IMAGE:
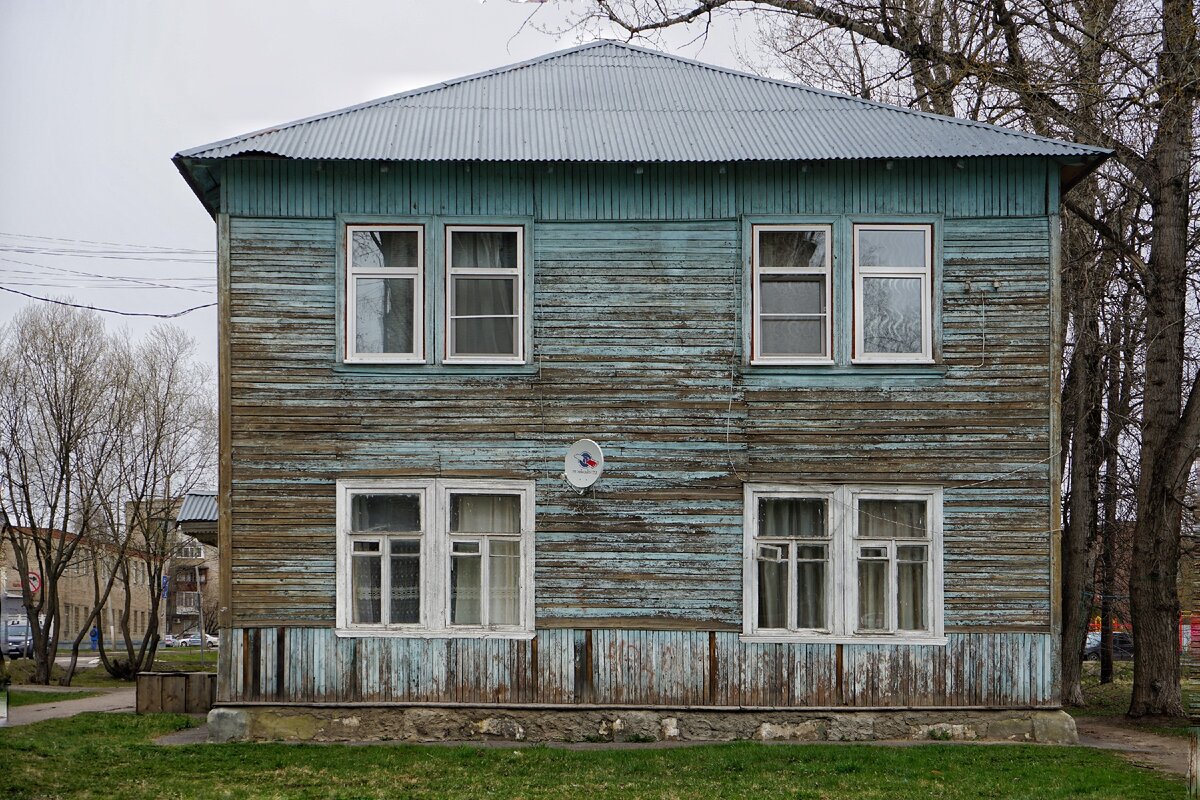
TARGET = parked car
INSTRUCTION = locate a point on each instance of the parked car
(211, 641)
(168, 640)
(1122, 646)
(190, 640)
(18, 643)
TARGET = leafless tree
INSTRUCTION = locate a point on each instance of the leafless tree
(56, 374)
(167, 449)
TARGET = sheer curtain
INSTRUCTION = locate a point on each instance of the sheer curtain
(793, 518)
(897, 520)
(486, 514)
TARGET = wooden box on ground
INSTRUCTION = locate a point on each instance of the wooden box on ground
(175, 692)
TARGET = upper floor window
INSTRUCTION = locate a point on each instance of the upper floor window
(484, 294)
(848, 562)
(384, 293)
(893, 295)
(792, 294)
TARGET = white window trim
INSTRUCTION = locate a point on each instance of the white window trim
(841, 579)
(351, 306)
(435, 557)
(517, 273)
(757, 272)
(926, 276)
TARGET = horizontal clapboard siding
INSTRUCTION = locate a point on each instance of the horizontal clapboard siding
(635, 668)
(638, 283)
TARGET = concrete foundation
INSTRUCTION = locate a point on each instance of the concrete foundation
(460, 723)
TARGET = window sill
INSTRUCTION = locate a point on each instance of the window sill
(771, 638)
(434, 370)
(425, 633)
(786, 375)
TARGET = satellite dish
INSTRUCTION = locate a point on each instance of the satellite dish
(583, 464)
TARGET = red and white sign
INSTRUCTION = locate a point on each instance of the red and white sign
(33, 581)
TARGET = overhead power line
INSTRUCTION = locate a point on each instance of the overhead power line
(107, 244)
(106, 310)
(118, 278)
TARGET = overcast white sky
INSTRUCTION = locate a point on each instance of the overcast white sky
(95, 98)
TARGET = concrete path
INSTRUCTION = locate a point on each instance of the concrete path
(111, 700)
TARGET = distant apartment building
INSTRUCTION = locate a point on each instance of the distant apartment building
(76, 592)
(192, 577)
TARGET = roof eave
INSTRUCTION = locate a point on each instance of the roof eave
(200, 179)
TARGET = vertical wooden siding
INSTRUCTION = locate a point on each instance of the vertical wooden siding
(637, 668)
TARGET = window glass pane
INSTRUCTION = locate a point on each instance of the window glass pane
(406, 582)
(483, 296)
(485, 513)
(383, 315)
(365, 588)
(872, 595)
(778, 249)
(910, 596)
(891, 315)
(791, 516)
(483, 249)
(786, 294)
(810, 586)
(793, 337)
(892, 519)
(385, 512)
(504, 581)
(773, 590)
(485, 337)
(465, 588)
(892, 248)
(384, 249)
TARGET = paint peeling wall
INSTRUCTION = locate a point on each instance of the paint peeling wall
(638, 289)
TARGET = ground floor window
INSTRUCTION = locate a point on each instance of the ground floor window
(847, 561)
(450, 557)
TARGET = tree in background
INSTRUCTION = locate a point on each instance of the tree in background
(55, 417)
(99, 437)
(1123, 74)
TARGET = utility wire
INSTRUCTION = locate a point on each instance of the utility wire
(107, 310)
(107, 244)
(106, 277)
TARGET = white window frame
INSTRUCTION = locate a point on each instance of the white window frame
(925, 274)
(757, 273)
(517, 273)
(435, 538)
(417, 356)
(841, 582)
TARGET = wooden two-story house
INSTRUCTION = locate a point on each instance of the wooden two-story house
(812, 336)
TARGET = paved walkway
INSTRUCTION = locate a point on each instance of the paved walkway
(111, 700)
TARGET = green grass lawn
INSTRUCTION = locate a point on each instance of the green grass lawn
(107, 756)
(16, 697)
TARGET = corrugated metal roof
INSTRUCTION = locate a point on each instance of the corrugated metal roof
(198, 507)
(610, 101)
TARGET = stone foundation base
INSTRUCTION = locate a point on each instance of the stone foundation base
(434, 724)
